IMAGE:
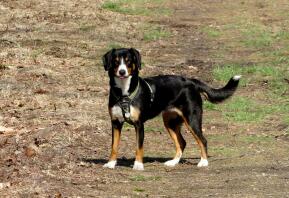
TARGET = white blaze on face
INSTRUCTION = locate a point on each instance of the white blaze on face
(123, 82)
(123, 67)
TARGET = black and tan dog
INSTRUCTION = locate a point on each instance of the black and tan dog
(135, 100)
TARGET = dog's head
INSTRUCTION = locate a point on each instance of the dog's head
(122, 62)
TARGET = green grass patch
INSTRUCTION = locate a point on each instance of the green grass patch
(286, 121)
(152, 33)
(278, 56)
(153, 129)
(127, 126)
(255, 35)
(224, 151)
(114, 46)
(241, 109)
(212, 32)
(259, 36)
(282, 35)
(249, 139)
(137, 7)
(225, 72)
(139, 190)
(210, 106)
(144, 178)
(249, 72)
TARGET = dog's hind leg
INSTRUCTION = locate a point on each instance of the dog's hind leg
(194, 125)
(173, 123)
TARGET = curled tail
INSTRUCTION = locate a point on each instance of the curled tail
(217, 95)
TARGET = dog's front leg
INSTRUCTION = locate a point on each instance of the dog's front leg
(116, 132)
(138, 163)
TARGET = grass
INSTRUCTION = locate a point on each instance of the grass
(242, 109)
(252, 74)
(144, 178)
(137, 7)
(249, 139)
(257, 37)
(152, 33)
(210, 106)
(224, 151)
(114, 45)
(258, 50)
(250, 109)
(139, 190)
(153, 129)
(212, 32)
(36, 53)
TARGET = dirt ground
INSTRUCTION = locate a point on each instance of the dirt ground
(54, 125)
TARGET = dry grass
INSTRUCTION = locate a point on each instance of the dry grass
(54, 125)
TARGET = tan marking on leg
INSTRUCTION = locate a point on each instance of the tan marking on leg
(139, 149)
(139, 154)
(199, 142)
(134, 113)
(138, 163)
(176, 136)
(115, 143)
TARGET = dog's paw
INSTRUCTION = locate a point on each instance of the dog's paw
(110, 164)
(173, 162)
(203, 163)
(138, 166)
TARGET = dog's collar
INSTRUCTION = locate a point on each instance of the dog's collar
(130, 96)
(133, 94)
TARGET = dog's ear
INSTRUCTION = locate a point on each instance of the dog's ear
(107, 59)
(136, 57)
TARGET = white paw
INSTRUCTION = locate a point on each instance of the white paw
(138, 166)
(172, 162)
(203, 163)
(110, 164)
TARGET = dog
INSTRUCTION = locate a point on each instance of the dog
(135, 100)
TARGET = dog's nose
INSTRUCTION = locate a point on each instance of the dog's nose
(121, 72)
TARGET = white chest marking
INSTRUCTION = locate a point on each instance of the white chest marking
(123, 84)
(116, 113)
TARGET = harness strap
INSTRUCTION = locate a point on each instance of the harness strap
(125, 101)
(124, 104)
(151, 91)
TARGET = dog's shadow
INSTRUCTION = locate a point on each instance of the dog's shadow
(128, 162)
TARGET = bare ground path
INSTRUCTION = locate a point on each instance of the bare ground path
(55, 129)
